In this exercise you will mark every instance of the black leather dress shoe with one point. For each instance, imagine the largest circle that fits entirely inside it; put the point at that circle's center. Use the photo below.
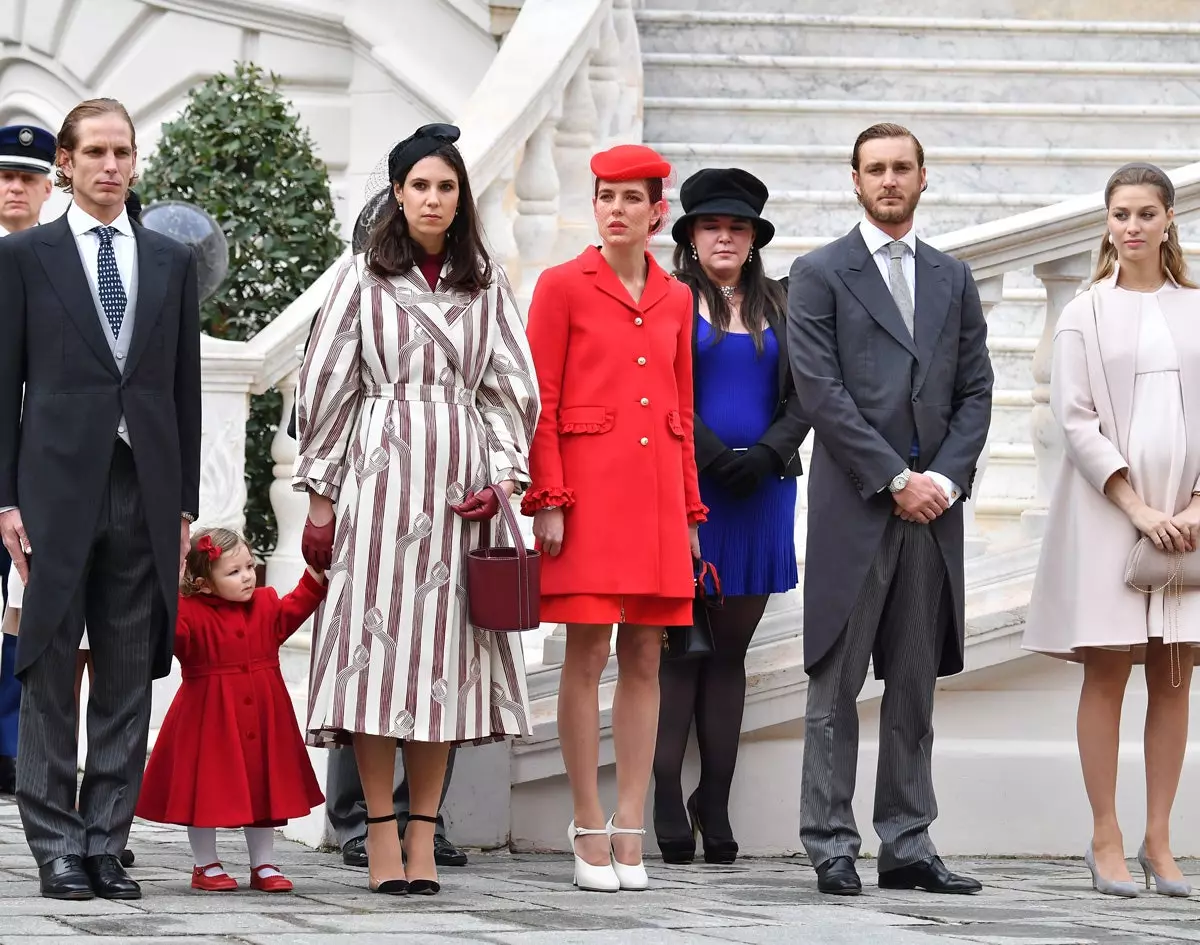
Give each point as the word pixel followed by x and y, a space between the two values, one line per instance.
pixel 65 878
pixel 8 775
pixel 109 879
pixel 354 853
pixel 446 853
pixel 930 875
pixel 838 877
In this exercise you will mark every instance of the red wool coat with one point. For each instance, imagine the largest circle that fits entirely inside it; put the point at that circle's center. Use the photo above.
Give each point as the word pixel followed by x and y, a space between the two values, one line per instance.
pixel 230 753
pixel 614 440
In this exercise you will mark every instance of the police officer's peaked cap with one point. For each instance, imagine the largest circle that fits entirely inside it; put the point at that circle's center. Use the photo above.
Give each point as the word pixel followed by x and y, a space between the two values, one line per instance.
pixel 26 148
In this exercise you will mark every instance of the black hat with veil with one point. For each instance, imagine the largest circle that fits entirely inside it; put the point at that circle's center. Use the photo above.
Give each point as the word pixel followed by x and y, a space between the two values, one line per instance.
pixel 378 192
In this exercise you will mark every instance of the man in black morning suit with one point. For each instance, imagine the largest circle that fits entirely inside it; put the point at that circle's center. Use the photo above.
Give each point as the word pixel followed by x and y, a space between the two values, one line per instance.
pixel 99 481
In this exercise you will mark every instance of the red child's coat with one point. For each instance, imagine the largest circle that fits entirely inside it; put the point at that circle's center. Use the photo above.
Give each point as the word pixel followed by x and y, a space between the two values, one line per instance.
pixel 230 753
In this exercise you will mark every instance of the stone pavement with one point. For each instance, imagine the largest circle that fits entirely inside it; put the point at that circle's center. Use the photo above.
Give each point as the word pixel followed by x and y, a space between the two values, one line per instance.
pixel 528 900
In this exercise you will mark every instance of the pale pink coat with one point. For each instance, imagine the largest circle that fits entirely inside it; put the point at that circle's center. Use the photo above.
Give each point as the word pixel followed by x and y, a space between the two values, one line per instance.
pixel 1080 598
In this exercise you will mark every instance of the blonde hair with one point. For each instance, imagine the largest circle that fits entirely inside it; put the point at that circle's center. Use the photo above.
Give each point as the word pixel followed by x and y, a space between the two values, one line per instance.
pixel 198 564
pixel 1174 266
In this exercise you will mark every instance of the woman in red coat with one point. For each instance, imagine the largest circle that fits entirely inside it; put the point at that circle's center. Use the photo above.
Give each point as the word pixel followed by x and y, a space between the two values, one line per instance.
pixel 615 498
pixel 230 752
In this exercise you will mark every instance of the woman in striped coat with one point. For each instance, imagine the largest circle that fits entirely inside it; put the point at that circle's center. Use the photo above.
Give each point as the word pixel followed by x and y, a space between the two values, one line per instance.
pixel 417 391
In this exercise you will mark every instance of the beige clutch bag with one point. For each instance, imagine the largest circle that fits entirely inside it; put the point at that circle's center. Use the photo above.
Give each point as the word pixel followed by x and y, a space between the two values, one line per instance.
pixel 1149 569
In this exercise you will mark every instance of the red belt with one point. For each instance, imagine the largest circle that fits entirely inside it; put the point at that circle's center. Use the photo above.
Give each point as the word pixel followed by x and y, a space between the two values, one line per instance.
pixel 229 669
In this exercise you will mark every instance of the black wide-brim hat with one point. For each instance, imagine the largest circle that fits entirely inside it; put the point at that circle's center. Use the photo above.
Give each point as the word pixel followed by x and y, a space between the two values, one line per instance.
pixel 723 192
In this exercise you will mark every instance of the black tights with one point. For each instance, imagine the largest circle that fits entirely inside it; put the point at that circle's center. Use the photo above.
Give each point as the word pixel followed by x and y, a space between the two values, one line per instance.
pixel 714 691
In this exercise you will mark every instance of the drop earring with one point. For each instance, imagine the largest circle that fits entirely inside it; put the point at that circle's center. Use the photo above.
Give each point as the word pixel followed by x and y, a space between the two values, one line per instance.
pixel 750 256
pixel 695 255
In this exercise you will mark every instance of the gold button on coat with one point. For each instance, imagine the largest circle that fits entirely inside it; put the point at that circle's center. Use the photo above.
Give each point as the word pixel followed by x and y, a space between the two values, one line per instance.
pixel 638 320
pixel 645 401
pixel 641 360
pixel 645 441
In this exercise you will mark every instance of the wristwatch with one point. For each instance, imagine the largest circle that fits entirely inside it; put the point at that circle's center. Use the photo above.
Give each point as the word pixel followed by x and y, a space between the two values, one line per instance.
pixel 900 481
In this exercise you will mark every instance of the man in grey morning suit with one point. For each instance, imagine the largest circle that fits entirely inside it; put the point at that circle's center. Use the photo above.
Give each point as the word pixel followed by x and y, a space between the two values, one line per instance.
pixel 99 479
pixel 898 387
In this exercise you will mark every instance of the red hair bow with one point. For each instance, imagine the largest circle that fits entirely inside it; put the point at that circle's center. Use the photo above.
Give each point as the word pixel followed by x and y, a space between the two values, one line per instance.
pixel 206 545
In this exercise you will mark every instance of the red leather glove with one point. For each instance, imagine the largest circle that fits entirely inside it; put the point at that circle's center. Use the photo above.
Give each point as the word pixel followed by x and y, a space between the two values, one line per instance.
pixel 478 506
pixel 316 544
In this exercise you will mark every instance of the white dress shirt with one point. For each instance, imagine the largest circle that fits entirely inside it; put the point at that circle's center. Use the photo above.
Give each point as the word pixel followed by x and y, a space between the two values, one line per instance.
pixel 124 244
pixel 877 242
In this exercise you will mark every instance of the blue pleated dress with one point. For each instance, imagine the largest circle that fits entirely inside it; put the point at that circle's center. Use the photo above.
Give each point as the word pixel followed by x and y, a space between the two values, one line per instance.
pixel 751 541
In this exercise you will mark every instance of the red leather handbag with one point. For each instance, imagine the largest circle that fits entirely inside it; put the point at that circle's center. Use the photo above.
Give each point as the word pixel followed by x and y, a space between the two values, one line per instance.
pixel 504 584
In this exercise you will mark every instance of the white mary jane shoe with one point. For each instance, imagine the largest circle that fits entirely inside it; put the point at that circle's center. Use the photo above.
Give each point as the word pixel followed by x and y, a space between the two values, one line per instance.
pixel 631 878
pixel 589 877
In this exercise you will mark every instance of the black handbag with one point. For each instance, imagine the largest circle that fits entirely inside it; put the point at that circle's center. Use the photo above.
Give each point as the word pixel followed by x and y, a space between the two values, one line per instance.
pixel 696 641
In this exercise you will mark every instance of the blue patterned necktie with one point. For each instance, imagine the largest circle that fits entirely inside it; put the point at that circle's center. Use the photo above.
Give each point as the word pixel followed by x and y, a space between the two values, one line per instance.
pixel 108 280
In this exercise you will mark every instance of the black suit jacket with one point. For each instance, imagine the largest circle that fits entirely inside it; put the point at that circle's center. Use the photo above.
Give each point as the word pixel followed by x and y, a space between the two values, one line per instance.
pixel 56 448
pixel 868 387
pixel 788 427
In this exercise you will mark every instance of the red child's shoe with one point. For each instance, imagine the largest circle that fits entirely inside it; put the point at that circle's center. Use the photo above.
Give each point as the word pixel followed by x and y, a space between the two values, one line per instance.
pixel 221 882
pixel 276 883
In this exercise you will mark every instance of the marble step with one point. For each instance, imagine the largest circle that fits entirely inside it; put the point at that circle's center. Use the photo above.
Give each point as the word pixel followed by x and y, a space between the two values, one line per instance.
pixel 835 211
pixel 991 125
pixel 973 168
pixel 801 34
pixel 1011 421
pixel 992 9
pixel 734 75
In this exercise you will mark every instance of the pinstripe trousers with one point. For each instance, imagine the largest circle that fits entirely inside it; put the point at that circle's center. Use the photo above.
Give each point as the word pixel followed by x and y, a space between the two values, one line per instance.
pixel 897 612
pixel 117 597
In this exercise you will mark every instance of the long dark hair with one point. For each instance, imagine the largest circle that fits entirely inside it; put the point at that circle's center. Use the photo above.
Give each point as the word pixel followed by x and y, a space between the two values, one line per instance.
pixel 760 294
pixel 1173 263
pixel 392 251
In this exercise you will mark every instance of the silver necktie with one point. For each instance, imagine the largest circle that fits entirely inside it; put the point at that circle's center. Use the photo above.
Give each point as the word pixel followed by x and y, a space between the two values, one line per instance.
pixel 900 288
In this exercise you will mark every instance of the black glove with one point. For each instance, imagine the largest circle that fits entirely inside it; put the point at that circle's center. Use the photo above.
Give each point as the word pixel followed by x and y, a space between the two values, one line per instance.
pixel 720 467
pixel 747 472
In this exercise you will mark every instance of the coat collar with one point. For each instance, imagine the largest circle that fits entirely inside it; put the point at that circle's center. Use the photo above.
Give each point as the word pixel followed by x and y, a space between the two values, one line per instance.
pixel 658 283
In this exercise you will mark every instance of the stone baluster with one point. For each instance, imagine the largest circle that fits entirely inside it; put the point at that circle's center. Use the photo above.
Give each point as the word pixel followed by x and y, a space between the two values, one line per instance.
pixel 537 187
pixel 629 108
pixel 496 218
pixel 574 144
pixel 606 77
pixel 227 379
pixel 284 564
pixel 554 647
pixel 991 291
pixel 1062 279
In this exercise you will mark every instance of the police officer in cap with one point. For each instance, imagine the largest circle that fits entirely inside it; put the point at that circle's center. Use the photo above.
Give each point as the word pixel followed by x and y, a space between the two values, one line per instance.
pixel 26 157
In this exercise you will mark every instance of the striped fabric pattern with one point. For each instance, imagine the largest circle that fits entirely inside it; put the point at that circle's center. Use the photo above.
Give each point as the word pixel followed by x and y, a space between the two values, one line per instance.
pixel 409 398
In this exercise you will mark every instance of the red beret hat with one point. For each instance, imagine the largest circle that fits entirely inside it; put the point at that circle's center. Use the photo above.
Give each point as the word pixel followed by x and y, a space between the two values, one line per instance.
pixel 629 162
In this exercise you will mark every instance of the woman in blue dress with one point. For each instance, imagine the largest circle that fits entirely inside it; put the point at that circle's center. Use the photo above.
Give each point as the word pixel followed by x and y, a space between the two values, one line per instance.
pixel 748 429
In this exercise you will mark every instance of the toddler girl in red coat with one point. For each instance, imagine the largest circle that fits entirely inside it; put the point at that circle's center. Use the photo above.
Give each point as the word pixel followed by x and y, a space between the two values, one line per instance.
pixel 230 752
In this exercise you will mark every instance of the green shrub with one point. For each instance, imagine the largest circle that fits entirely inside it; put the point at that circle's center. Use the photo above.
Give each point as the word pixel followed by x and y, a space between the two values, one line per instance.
pixel 240 152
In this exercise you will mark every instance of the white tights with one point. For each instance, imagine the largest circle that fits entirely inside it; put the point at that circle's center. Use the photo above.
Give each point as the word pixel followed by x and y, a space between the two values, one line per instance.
pixel 260 841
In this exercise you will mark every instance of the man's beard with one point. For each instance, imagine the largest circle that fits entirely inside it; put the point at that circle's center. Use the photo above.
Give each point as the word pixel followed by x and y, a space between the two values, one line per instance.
pixel 891 213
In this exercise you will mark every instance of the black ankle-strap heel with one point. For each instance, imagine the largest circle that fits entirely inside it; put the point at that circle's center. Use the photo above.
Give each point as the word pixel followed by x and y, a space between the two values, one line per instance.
pixel 423 887
pixel 389 887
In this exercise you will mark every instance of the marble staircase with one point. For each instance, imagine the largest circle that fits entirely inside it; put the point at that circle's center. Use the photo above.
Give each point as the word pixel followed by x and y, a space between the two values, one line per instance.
pixel 1018 105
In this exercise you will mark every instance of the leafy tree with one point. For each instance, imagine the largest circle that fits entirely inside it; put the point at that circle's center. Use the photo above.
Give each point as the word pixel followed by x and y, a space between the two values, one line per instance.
pixel 240 152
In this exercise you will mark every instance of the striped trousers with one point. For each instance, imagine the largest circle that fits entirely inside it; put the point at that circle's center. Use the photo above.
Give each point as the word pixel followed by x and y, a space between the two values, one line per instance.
pixel 897 614
pixel 117 596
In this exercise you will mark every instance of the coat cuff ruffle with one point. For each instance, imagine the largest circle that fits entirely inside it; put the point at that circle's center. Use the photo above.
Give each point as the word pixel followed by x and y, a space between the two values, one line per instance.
pixel 537 499
pixel 697 513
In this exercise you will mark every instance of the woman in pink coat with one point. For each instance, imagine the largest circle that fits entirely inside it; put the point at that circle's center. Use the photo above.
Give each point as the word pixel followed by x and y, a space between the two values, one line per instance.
pixel 1125 391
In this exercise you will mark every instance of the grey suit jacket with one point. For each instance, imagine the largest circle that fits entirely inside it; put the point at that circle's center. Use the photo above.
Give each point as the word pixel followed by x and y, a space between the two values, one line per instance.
pixel 867 387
